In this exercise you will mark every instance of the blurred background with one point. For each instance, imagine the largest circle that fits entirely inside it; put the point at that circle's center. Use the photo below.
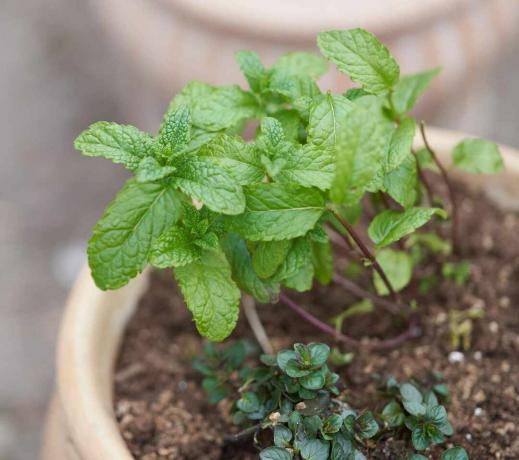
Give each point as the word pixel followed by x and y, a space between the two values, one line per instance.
pixel 66 64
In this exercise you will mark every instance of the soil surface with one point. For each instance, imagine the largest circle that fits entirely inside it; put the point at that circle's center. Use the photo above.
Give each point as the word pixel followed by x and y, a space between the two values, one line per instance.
pixel 161 408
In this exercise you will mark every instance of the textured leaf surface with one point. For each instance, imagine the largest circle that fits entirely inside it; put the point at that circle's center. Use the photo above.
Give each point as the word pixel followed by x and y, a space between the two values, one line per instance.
pixel 210 184
pixel 175 130
pixel 277 212
pixel 398 267
pixel 254 71
pixel 360 149
pixel 400 144
pixel 401 184
pixel 409 88
pixel 309 166
pixel 243 272
pixel 224 108
pixel 478 156
pixel 239 159
pixel 298 257
pixel 390 225
pixel 210 294
pixel 301 63
pixel 122 144
pixel 327 117
pixel 362 56
pixel 174 248
pixel 268 256
pixel 323 261
pixel 150 170
pixel 122 238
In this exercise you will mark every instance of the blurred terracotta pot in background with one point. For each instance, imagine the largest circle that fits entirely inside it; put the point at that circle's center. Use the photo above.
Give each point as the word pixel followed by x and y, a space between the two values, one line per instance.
pixel 81 424
pixel 174 41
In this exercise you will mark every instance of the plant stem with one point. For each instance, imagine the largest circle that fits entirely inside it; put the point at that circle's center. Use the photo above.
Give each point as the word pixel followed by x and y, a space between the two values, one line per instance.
pixel 367 253
pixel 423 178
pixel 249 307
pixel 413 330
pixel 450 189
pixel 237 437
pixel 362 293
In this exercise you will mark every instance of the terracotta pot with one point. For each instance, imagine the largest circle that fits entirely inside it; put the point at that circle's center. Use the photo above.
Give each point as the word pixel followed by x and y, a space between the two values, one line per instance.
pixel 174 41
pixel 81 424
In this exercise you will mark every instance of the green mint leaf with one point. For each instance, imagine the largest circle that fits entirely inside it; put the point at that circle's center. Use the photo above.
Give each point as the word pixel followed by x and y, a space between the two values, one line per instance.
pixel 355 93
pixel 401 184
pixel 298 257
pixel 315 449
pixel 420 439
pixel 277 212
pixel 282 436
pixel 368 427
pixel 175 130
pixel 254 71
pixel 400 144
pixel 275 453
pixel 243 272
pixel 122 144
pixel 390 225
pixel 393 415
pixel 398 267
pixel 327 118
pixel 224 108
pixel 150 170
pixel 323 262
pixel 122 238
pixel 341 448
pixel 210 294
pixel 319 353
pixel 174 248
pixel 290 121
pixel 360 149
pixel 455 453
pixel 478 156
pixel 210 184
pixel 301 63
pixel 309 166
pixel 272 132
pixel 302 280
pixel 362 56
pixel 190 95
pixel 239 159
pixel 293 87
pixel 268 256
pixel 248 403
pixel 409 88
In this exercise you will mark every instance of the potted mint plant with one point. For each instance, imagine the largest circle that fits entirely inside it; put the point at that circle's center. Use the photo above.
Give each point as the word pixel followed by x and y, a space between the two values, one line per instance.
pixel 345 191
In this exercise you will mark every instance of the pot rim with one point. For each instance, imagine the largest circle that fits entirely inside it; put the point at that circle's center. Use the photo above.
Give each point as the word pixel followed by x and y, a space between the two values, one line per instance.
pixel 297 19
pixel 94 323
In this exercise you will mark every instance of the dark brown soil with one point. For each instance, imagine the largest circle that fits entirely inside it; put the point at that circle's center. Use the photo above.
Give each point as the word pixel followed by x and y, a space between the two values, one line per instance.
pixel 161 408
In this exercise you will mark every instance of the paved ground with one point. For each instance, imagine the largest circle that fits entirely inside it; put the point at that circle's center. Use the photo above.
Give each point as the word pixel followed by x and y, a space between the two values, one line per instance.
pixel 59 73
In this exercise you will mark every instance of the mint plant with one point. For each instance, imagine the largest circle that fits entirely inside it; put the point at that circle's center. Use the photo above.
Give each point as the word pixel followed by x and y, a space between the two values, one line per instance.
pixel 258 216
pixel 292 406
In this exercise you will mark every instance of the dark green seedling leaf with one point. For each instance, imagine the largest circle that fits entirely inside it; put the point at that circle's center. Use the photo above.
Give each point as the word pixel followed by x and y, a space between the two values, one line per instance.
pixel 438 416
pixel 209 184
pixel 322 260
pixel 277 212
pixel 455 453
pixel 312 425
pixel 342 448
pixel 478 156
pixel 150 170
pixel 367 425
pixel 412 399
pixel 248 402
pixel 319 353
pixel 409 88
pixel 122 144
pixel 224 107
pixel 400 144
pixel 331 426
pixel 360 150
pixel 416 457
pixel 240 160
pixel 401 184
pixel 268 256
pixel 121 242
pixel 301 63
pixel 459 272
pixel 327 118
pixel 275 453
pixel 284 357
pixel 314 381
pixel 254 71
pixel 174 248
pixel 210 294
pixel 393 415
pixel 282 436
pixel 309 166
pixel 398 267
pixel 390 225
pixel 175 130
pixel 215 389
pixel 315 449
pixel 362 56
